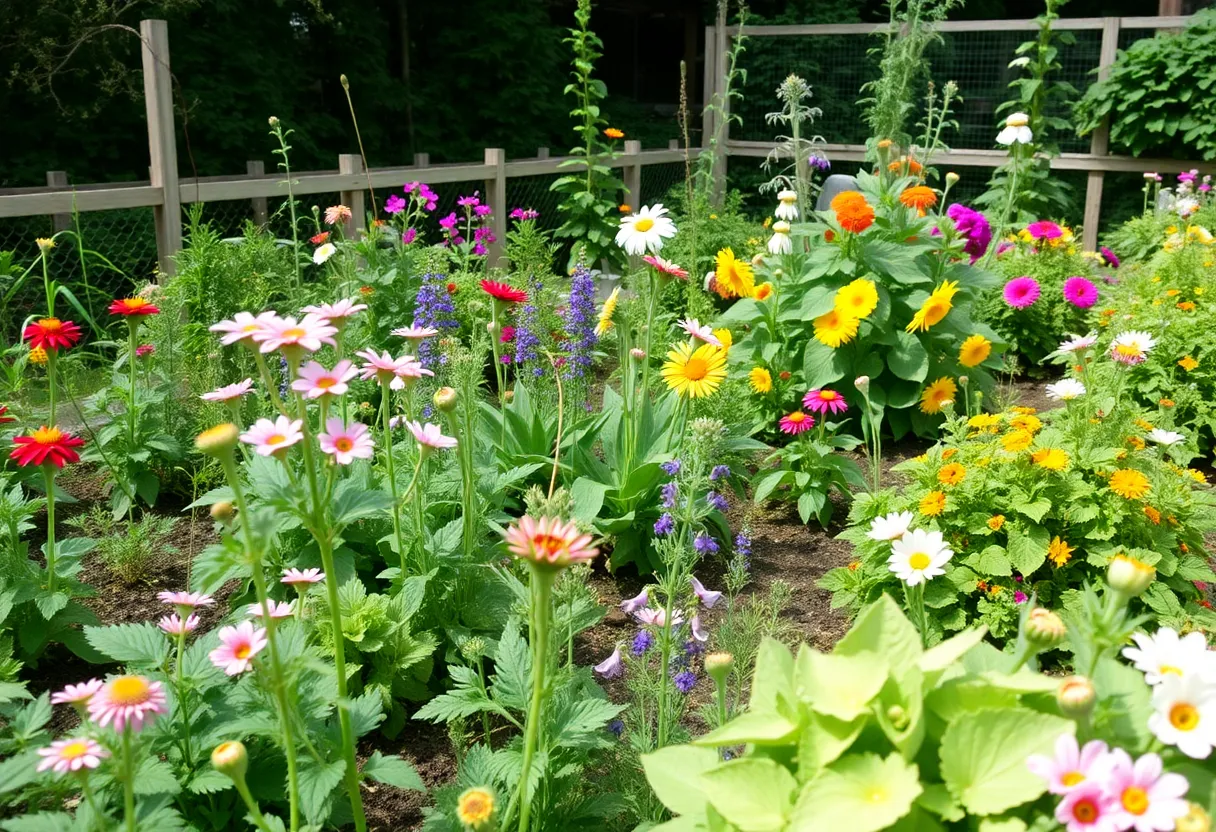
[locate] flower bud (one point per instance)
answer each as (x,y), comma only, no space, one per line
(898,717)
(472,648)
(951,178)
(758,259)
(1076,697)
(445,399)
(345,83)
(963,381)
(1195,820)
(1044,629)
(638,353)
(273,121)
(862,383)
(223,512)
(719,666)
(231,759)
(45,243)
(508,396)
(1128,576)
(218,441)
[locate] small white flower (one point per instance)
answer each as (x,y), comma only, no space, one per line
(1184,715)
(323,253)
(1186,206)
(787,206)
(644,231)
(919,556)
(892,527)
(1077,343)
(1165,654)
(1018,63)
(1015,130)
(1165,437)
(1065,390)
(780,242)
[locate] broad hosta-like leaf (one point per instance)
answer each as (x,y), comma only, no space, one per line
(859,793)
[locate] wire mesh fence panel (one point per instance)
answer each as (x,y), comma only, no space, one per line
(658,180)
(535,192)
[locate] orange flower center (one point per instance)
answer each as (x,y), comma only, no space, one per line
(277,439)
(47,436)
(129,690)
(549,544)
(1184,716)
(51,324)
(1086,811)
(326,382)
(696,369)
(243,651)
(1135,800)
(797,417)
(828,395)
(295,333)
(644,224)
(343,444)
(134,303)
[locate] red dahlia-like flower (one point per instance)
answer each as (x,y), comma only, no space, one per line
(318,239)
(503,292)
(46,445)
(4,417)
(132,306)
(51,334)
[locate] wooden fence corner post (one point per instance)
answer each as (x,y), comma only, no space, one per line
(352,163)
(59,179)
(258,206)
(1099,145)
(162,141)
(632,174)
(422,160)
(496,198)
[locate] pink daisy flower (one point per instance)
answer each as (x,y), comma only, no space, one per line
(174,625)
(664,267)
(300,578)
(657,617)
(71,755)
(228,392)
(307,334)
(278,609)
(77,694)
(1080,292)
(796,423)
(549,542)
(1044,230)
(269,438)
(1146,799)
(1072,765)
(185,601)
(238,646)
(822,400)
(430,436)
(242,327)
(383,368)
(335,214)
(346,443)
(314,381)
(1087,809)
(336,313)
(1022,292)
(128,700)
(413,332)
(703,333)
(412,370)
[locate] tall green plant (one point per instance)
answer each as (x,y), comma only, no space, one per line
(719,107)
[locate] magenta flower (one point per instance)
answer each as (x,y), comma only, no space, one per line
(269,438)
(449,222)
(174,625)
(71,755)
(394,204)
(144,350)
(77,694)
(1020,597)
(1045,230)
(973,227)
(346,443)
(796,423)
(238,646)
(824,401)
(708,596)
(1022,292)
(408,236)
(1147,799)
(315,381)
(128,700)
(229,392)
(299,578)
(469,201)
(524,214)
(278,609)
(482,210)
(1080,292)
(1109,256)
(611,667)
(1072,765)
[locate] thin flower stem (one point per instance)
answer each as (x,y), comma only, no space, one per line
(91,799)
(252,805)
(52,356)
(132,412)
(664,666)
(128,782)
(48,478)
(390,467)
(542,581)
(182,699)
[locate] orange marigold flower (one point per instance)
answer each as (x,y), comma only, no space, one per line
(613,133)
(933,503)
(1166,402)
(1058,551)
(1153,515)
(920,197)
(996,521)
(951,474)
(1188,363)
(1129,483)
(854,566)
(1186,306)
(852,211)
(914,167)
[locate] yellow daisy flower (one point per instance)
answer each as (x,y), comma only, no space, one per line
(974,351)
(858,299)
(760,379)
(734,276)
(1129,483)
(1053,459)
(1058,551)
(694,374)
(937,394)
(834,329)
(935,307)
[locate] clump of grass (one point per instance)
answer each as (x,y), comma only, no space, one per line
(127,549)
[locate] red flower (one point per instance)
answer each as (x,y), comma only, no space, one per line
(508,334)
(452,287)
(132,306)
(318,239)
(503,292)
(46,445)
(4,419)
(51,334)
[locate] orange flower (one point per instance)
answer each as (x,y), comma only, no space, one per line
(854,566)
(951,474)
(933,503)
(1153,515)
(1136,442)
(852,211)
(919,197)
(1187,363)
(996,521)
(1186,306)
(1166,402)
(914,167)
(613,133)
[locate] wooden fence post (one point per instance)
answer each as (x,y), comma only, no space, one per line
(542,153)
(257,205)
(59,179)
(632,174)
(422,160)
(352,163)
(1099,145)
(496,198)
(162,140)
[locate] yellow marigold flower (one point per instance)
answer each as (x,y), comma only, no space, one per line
(1018,440)
(1153,515)
(996,521)
(764,291)
(1026,421)
(734,277)
(934,309)
(974,351)
(995,590)
(1197,476)
(1136,442)
(1024,411)
(1058,551)
(1172,293)
(984,420)
(37,355)
(694,374)
(858,299)
(475,807)
(1199,290)
(948,452)
(1129,483)
(935,396)
(834,329)
(767,222)
(45,243)
(933,503)
(760,379)
(951,474)
(1053,459)
(1143,424)
(854,566)
(605,321)
(1166,402)
(613,133)
(1188,363)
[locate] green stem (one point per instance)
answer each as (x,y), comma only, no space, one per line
(664,666)
(485,715)
(251,804)
(543,582)
(51,360)
(128,781)
(91,799)
(132,413)
(390,467)
(414,494)
(182,698)
(48,478)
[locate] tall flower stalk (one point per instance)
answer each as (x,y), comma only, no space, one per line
(276,130)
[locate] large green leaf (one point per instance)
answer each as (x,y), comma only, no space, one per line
(860,793)
(882,629)
(755,794)
(758,727)
(838,685)
(1027,547)
(672,773)
(141,644)
(908,358)
(821,365)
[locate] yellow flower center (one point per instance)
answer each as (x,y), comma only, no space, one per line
(644,224)
(828,395)
(1169,668)
(129,690)
(326,382)
(294,333)
(919,561)
(242,652)
(51,324)
(696,369)
(797,417)
(74,749)
(47,436)
(277,439)
(1072,778)
(1128,350)
(1184,716)
(1135,800)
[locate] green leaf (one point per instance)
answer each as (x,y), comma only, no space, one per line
(393,771)
(316,781)
(141,644)
(837,685)
(936,798)
(991,561)
(208,781)
(773,678)
(155,777)
(755,794)
(860,793)
(1027,547)
(821,365)
(823,740)
(587,495)
(758,727)
(672,775)
(41,822)
(983,756)
(882,629)
(908,358)
(938,658)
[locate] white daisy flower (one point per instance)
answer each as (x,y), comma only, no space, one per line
(1065,390)
(1165,437)
(1015,130)
(323,253)
(919,556)
(892,527)
(1131,347)
(787,206)
(1077,343)
(780,242)
(644,231)
(1184,715)
(1166,654)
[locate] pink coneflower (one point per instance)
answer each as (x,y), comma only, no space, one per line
(238,646)
(242,327)
(822,400)
(335,214)
(548,542)
(302,577)
(77,694)
(1022,292)
(185,601)
(796,423)
(1080,292)
(1079,343)
(1072,765)
(1044,230)
(128,700)
(413,332)
(346,443)
(337,313)
(71,755)
(269,438)
(1087,809)
(664,267)
(229,392)
(430,436)
(144,350)
(657,617)
(315,381)
(305,335)
(703,333)
(278,609)
(1147,799)
(174,625)
(384,368)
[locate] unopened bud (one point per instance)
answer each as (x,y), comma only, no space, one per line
(1044,629)
(1128,576)
(231,759)
(951,178)
(223,512)
(345,83)
(1195,820)
(273,121)
(445,399)
(758,259)
(638,353)
(963,381)
(219,440)
(1076,697)
(719,666)
(508,396)
(472,648)
(898,717)
(862,383)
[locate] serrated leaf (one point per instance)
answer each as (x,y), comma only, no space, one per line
(155,777)
(140,644)
(317,781)
(392,771)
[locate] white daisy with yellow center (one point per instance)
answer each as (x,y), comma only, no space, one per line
(919,556)
(645,231)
